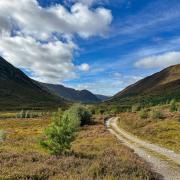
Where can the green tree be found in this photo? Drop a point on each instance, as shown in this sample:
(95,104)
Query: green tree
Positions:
(59,135)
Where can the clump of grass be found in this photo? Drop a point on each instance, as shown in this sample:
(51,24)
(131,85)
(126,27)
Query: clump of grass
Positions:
(143,114)
(2,135)
(136,107)
(157,114)
(173,106)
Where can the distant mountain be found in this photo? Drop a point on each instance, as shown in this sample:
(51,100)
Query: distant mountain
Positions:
(19,91)
(83,96)
(159,87)
(102,97)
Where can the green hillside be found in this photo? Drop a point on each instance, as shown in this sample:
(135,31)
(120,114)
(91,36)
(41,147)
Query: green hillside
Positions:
(19,91)
(157,88)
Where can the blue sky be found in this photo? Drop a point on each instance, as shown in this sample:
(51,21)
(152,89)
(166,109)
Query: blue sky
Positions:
(124,41)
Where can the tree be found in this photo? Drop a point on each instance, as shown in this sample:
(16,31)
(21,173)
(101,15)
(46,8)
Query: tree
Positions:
(59,135)
(61,132)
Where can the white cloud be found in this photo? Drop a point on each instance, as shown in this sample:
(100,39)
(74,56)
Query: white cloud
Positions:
(159,61)
(49,62)
(42,40)
(33,19)
(84,67)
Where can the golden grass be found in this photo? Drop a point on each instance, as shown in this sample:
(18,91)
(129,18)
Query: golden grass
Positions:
(95,154)
(164,132)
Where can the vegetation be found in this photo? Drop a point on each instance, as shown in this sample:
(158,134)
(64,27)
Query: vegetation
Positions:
(136,107)
(157,114)
(78,114)
(96,154)
(154,130)
(143,114)
(2,135)
(59,135)
(61,132)
(173,106)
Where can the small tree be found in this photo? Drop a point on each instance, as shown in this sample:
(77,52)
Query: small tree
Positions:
(59,135)
(173,106)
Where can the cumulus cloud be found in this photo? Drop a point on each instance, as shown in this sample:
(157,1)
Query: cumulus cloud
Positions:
(84,67)
(50,62)
(41,39)
(33,19)
(159,61)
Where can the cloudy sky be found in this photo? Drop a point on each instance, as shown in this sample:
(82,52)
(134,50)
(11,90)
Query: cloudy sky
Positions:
(99,45)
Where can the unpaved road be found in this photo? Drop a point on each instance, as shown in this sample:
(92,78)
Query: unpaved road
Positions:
(163,161)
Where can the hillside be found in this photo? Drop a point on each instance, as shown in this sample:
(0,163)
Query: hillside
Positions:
(159,87)
(19,91)
(83,96)
(102,97)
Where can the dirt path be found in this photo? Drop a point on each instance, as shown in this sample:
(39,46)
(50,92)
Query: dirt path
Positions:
(162,160)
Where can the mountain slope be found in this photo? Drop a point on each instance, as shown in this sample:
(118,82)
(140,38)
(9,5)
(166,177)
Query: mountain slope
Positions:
(102,97)
(159,87)
(19,91)
(83,96)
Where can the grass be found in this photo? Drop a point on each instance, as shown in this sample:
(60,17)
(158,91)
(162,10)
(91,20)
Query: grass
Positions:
(164,132)
(95,154)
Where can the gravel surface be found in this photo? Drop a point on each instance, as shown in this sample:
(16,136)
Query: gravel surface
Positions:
(163,161)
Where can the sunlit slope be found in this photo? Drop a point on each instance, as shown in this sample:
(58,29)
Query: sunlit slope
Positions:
(159,87)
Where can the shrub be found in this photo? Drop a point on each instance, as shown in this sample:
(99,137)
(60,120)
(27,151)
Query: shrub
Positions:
(2,135)
(59,135)
(156,114)
(143,114)
(21,114)
(78,113)
(173,106)
(136,108)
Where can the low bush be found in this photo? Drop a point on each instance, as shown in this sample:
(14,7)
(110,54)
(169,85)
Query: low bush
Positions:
(136,108)
(157,114)
(2,135)
(143,114)
(173,106)
(78,113)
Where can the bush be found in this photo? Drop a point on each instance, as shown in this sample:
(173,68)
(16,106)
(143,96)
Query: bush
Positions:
(136,108)
(156,114)
(78,113)
(173,106)
(2,135)
(143,114)
(21,114)
(59,135)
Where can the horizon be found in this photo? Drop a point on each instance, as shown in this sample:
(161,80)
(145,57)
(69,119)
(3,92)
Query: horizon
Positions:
(114,44)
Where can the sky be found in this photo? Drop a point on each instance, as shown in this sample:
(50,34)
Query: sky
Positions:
(99,45)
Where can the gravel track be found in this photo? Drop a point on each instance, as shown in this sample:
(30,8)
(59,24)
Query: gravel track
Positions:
(163,161)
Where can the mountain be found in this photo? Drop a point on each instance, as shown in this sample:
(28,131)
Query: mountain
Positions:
(19,91)
(83,96)
(157,88)
(102,97)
